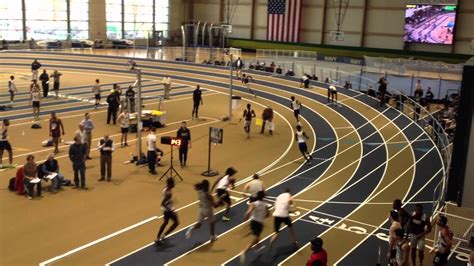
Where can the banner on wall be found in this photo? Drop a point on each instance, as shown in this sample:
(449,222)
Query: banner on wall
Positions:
(339,59)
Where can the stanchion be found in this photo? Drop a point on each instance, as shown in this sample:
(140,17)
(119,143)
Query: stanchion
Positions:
(215,136)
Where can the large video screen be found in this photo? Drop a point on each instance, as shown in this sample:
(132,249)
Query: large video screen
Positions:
(430,23)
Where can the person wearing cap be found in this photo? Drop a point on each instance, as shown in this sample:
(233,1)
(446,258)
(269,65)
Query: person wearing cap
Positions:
(402,248)
(319,257)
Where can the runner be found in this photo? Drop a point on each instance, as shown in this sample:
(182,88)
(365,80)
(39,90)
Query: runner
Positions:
(257,212)
(282,215)
(395,224)
(253,187)
(419,226)
(246,80)
(443,246)
(4,143)
(333,93)
(248,115)
(402,213)
(223,184)
(56,127)
(296,107)
(402,248)
(35,99)
(301,137)
(124,121)
(206,203)
(96,91)
(168,212)
(12,88)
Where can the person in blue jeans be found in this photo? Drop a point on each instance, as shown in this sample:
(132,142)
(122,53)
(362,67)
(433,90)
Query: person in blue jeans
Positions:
(51,166)
(78,155)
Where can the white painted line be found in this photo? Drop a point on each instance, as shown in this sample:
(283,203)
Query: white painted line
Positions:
(97,241)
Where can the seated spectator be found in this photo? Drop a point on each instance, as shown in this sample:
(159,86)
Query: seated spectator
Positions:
(290,73)
(429,96)
(327,81)
(279,70)
(319,257)
(51,166)
(314,77)
(30,171)
(19,185)
(347,85)
(159,156)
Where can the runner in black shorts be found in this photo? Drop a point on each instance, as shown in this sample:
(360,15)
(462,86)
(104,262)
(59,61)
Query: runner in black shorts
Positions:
(282,215)
(168,212)
(223,184)
(4,143)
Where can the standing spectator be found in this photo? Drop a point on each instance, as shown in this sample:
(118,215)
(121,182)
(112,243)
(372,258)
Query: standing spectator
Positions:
(80,133)
(267,118)
(402,249)
(124,121)
(443,246)
(56,77)
(382,90)
(402,213)
(51,166)
(34,69)
(419,226)
(114,102)
(393,219)
(56,129)
(239,64)
(301,137)
(130,96)
(167,86)
(296,107)
(185,135)
(30,172)
(151,151)
(4,143)
(248,114)
(35,99)
(77,155)
(106,147)
(12,88)
(429,96)
(319,257)
(44,78)
(282,215)
(96,90)
(88,127)
(418,94)
(197,99)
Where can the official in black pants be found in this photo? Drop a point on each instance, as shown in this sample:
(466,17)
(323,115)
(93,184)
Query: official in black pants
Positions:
(114,102)
(197,99)
(106,147)
(382,90)
(185,135)
(44,77)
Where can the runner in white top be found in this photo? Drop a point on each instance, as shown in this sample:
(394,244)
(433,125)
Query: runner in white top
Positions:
(4,143)
(444,243)
(35,102)
(168,211)
(253,187)
(151,151)
(124,121)
(257,211)
(221,185)
(96,90)
(301,137)
(296,107)
(282,215)
(12,88)
(206,203)
(395,224)
(402,248)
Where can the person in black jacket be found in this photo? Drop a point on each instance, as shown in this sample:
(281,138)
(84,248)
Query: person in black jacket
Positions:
(114,102)
(197,99)
(382,90)
(34,69)
(44,78)
(185,135)
(77,155)
(106,147)
(130,96)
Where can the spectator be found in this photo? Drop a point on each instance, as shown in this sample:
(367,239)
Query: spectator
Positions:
(402,214)
(77,155)
(56,129)
(418,94)
(124,121)
(34,69)
(347,85)
(267,118)
(393,219)
(319,257)
(106,147)
(80,133)
(51,166)
(167,85)
(12,88)
(130,96)
(96,90)
(44,78)
(279,70)
(239,64)
(56,78)
(443,246)
(4,143)
(402,248)
(88,127)
(151,151)
(30,172)
(114,102)
(419,226)
(382,90)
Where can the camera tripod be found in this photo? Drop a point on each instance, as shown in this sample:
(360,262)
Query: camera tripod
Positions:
(171,169)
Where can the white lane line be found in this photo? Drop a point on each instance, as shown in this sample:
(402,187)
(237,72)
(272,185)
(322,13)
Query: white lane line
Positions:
(97,241)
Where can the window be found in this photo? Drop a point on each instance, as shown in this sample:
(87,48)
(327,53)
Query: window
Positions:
(79,16)
(114,18)
(46,19)
(11,26)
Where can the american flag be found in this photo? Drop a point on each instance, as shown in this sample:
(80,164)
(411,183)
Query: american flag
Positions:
(283,21)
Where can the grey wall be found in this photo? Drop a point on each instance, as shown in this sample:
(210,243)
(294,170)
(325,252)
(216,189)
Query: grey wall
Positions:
(367,23)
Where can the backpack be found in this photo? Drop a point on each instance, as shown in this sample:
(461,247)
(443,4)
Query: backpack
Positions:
(11,184)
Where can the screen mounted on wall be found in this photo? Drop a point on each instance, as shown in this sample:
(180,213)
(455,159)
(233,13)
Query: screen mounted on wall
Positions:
(430,23)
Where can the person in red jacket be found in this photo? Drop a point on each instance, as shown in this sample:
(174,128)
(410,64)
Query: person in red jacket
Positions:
(319,257)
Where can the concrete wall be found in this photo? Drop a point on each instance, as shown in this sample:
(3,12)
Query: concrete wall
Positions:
(97,22)
(367,23)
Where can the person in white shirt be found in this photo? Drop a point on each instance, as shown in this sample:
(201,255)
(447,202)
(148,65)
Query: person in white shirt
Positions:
(395,224)
(124,121)
(257,212)
(12,88)
(106,147)
(35,99)
(296,107)
(151,151)
(4,143)
(253,187)
(222,185)
(96,90)
(282,215)
(167,86)
(80,133)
